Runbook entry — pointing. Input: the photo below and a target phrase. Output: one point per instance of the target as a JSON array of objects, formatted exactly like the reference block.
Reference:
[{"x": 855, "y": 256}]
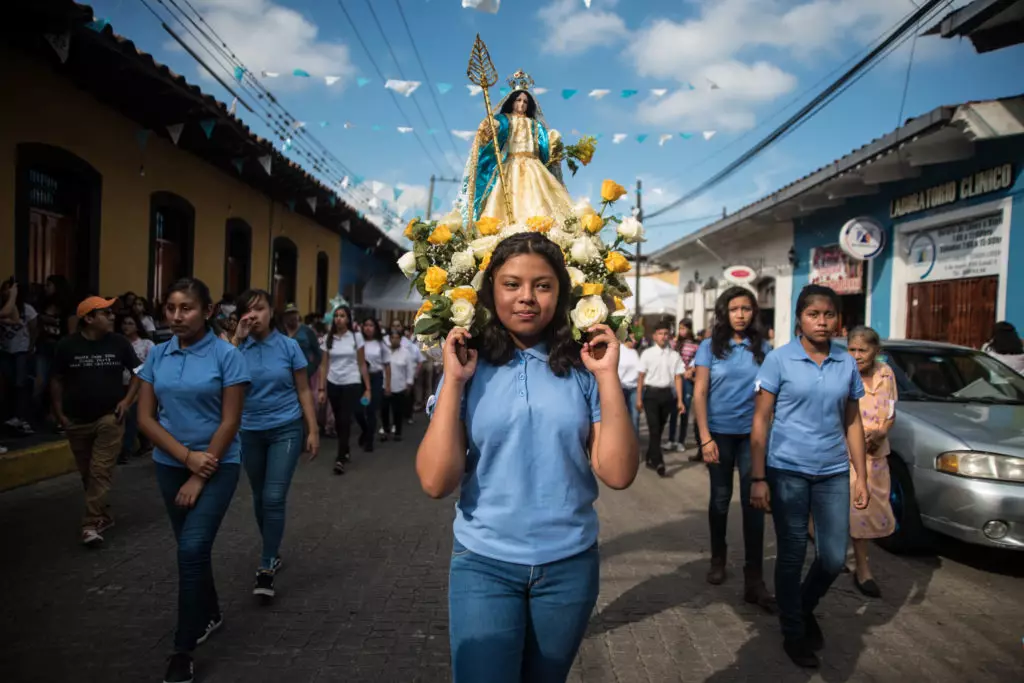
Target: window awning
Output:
[
  {"x": 657, "y": 297},
  {"x": 391, "y": 292}
]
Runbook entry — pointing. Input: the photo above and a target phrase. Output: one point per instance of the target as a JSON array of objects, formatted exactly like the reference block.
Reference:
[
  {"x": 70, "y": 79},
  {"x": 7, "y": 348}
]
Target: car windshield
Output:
[{"x": 958, "y": 375}]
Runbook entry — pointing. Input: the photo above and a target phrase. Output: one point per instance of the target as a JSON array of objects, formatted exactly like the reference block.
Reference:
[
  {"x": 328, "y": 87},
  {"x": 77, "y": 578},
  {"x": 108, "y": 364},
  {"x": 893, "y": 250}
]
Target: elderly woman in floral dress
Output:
[{"x": 878, "y": 412}]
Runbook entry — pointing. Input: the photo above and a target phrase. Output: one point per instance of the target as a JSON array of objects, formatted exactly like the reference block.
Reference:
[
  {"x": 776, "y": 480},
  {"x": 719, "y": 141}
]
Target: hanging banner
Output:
[{"x": 831, "y": 267}]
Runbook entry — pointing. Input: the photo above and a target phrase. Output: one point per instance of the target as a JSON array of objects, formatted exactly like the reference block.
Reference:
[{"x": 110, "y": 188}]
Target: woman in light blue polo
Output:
[
  {"x": 811, "y": 388},
  {"x": 723, "y": 401},
  {"x": 198, "y": 381},
  {"x": 524, "y": 426},
  {"x": 272, "y": 423}
]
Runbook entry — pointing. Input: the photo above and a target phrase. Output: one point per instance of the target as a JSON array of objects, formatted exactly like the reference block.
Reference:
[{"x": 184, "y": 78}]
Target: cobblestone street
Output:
[{"x": 363, "y": 594}]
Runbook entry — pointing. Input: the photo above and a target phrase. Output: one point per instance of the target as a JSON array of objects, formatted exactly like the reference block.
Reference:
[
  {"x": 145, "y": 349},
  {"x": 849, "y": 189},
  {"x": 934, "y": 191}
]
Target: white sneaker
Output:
[
  {"x": 3, "y": 450},
  {"x": 91, "y": 537}
]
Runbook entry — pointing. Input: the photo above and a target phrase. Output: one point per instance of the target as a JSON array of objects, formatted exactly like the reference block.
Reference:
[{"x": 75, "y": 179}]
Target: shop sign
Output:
[
  {"x": 833, "y": 268},
  {"x": 974, "y": 185},
  {"x": 959, "y": 250},
  {"x": 862, "y": 238},
  {"x": 739, "y": 275}
]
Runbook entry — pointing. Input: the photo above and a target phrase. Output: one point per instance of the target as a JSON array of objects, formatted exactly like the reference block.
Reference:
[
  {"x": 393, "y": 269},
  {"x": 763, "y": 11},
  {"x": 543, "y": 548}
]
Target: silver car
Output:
[{"x": 957, "y": 462}]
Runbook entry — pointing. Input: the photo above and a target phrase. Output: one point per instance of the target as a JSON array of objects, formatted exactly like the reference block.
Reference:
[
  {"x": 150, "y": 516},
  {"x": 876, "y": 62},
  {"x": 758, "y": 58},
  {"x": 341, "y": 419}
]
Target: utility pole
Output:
[
  {"x": 430, "y": 199},
  {"x": 640, "y": 217}
]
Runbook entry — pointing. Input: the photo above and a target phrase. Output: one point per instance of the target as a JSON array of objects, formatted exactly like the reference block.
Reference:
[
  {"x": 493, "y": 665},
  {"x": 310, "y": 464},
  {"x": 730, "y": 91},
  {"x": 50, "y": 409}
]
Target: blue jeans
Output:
[
  {"x": 634, "y": 414},
  {"x": 734, "y": 453},
  {"x": 270, "y": 457},
  {"x": 678, "y": 423},
  {"x": 512, "y": 623},
  {"x": 795, "y": 497},
  {"x": 131, "y": 430},
  {"x": 195, "y": 530}
]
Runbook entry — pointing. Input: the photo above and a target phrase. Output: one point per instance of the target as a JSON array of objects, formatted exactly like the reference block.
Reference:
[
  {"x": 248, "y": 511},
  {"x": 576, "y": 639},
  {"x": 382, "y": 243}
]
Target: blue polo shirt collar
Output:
[
  {"x": 250, "y": 341},
  {"x": 538, "y": 351},
  {"x": 835, "y": 353},
  {"x": 200, "y": 348}
]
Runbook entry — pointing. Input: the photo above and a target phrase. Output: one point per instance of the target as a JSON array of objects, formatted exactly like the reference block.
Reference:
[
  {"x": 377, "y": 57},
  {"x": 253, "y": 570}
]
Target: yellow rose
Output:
[
  {"x": 408, "y": 229},
  {"x": 611, "y": 191},
  {"x": 467, "y": 293},
  {"x": 441, "y": 235},
  {"x": 424, "y": 309},
  {"x": 618, "y": 304},
  {"x": 540, "y": 223},
  {"x": 488, "y": 225},
  {"x": 435, "y": 279},
  {"x": 486, "y": 262},
  {"x": 590, "y": 288},
  {"x": 592, "y": 223},
  {"x": 616, "y": 263}
]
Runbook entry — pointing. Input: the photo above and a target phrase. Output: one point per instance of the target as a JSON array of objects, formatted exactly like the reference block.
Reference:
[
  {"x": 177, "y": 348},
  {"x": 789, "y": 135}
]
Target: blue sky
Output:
[{"x": 762, "y": 54}]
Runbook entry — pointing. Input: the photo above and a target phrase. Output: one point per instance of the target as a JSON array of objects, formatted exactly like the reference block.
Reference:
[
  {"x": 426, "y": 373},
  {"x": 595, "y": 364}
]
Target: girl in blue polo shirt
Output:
[
  {"x": 811, "y": 388},
  {"x": 272, "y": 423},
  {"x": 199, "y": 382},
  {"x": 524, "y": 426},
  {"x": 723, "y": 401}
]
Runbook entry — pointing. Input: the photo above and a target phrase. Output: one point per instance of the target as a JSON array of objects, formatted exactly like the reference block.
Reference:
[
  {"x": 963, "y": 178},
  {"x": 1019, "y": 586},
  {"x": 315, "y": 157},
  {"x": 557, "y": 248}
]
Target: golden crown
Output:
[{"x": 520, "y": 80}]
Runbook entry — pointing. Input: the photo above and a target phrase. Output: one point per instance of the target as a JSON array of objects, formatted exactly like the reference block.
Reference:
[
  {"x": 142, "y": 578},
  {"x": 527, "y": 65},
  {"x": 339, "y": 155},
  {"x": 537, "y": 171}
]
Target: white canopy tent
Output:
[
  {"x": 657, "y": 297},
  {"x": 391, "y": 292}
]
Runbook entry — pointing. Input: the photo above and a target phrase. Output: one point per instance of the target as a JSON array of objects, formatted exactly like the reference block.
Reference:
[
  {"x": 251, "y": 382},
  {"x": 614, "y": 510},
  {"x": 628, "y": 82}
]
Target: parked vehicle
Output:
[{"x": 957, "y": 462}]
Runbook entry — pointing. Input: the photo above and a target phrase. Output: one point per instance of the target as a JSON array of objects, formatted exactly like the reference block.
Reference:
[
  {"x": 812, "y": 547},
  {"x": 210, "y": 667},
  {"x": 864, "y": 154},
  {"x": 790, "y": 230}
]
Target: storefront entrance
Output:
[{"x": 953, "y": 311}]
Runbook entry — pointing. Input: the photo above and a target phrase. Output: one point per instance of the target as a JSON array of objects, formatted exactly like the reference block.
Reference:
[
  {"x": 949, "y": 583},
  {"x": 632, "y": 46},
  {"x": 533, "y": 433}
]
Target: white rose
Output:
[
  {"x": 453, "y": 221},
  {"x": 510, "y": 230},
  {"x": 584, "y": 250},
  {"x": 631, "y": 230},
  {"x": 583, "y": 207},
  {"x": 483, "y": 245},
  {"x": 576, "y": 276},
  {"x": 407, "y": 264},
  {"x": 560, "y": 237},
  {"x": 478, "y": 280},
  {"x": 463, "y": 261},
  {"x": 462, "y": 313},
  {"x": 589, "y": 311}
]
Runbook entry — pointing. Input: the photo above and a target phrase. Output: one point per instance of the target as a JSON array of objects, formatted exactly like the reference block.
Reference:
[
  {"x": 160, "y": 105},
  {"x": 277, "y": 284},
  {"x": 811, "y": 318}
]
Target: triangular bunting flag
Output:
[
  {"x": 568, "y": 93},
  {"x": 406, "y": 88},
  {"x": 659, "y": 92},
  {"x": 714, "y": 86},
  {"x": 431, "y": 131},
  {"x": 474, "y": 90},
  {"x": 142, "y": 137},
  {"x": 376, "y": 186},
  {"x": 626, "y": 94},
  {"x": 489, "y": 6},
  {"x": 207, "y": 126},
  {"x": 686, "y": 136},
  {"x": 269, "y": 74},
  {"x": 298, "y": 124},
  {"x": 444, "y": 88},
  {"x": 640, "y": 138},
  {"x": 238, "y": 161},
  {"x": 301, "y": 73},
  {"x": 357, "y": 180},
  {"x": 362, "y": 81},
  {"x": 539, "y": 91},
  {"x": 239, "y": 73},
  {"x": 598, "y": 94},
  {"x": 291, "y": 205},
  {"x": 234, "y": 106},
  {"x": 97, "y": 25},
  {"x": 331, "y": 80},
  {"x": 619, "y": 137},
  {"x": 312, "y": 203},
  {"x": 464, "y": 134},
  {"x": 348, "y": 125},
  {"x": 708, "y": 134},
  {"x": 502, "y": 92},
  {"x": 324, "y": 124},
  {"x": 265, "y": 162},
  {"x": 344, "y": 183},
  {"x": 662, "y": 139},
  {"x": 332, "y": 200},
  {"x": 347, "y": 225},
  {"x": 175, "y": 131},
  {"x": 61, "y": 44},
  {"x": 375, "y": 127},
  {"x": 404, "y": 129},
  {"x": 286, "y": 145},
  {"x": 398, "y": 193},
  {"x": 362, "y": 216},
  {"x": 373, "y": 203},
  {"x": 689, "y": 86},
  {"x": 587, "y": 3},
  {"x": 437, "y": 203}
]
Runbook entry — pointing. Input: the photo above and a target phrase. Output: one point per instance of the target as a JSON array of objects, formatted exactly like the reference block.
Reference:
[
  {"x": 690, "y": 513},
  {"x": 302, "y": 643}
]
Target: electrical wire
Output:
[{"x": 813, "y": 107}]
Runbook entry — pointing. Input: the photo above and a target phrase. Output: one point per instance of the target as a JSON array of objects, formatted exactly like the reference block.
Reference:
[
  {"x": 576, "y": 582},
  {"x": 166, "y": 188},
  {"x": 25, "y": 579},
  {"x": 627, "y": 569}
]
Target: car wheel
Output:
[{"x": 910, "y": 535}]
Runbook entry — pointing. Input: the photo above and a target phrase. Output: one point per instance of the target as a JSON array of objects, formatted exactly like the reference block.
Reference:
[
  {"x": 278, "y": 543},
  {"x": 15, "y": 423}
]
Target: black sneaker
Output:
[
  {"x": 812, "y": 633},
  {"x": 801, "y": 653},
  {"x": 264, "y": 584},
  {"x": 661, "y": 471},
  {"x": 339, "y": 467},
  {"x": 214, "y": 624},
  {"x": 179, "y": 668}
]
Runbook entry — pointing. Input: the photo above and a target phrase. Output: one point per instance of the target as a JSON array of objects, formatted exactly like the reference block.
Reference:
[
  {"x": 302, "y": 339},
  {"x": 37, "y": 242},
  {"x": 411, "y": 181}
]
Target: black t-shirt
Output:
[{"x": 92, "y": 373}]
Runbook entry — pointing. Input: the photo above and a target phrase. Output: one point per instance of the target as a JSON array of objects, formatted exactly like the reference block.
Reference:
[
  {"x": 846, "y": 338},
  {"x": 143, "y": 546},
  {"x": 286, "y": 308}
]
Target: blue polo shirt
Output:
[
  {"x": 528, "y": 491},
  {"x": 188, "y": 384},
  {"x": 809, "y": 433},
  {"x": 731, "y": 389},
  {"x": 272, "y": 399}
]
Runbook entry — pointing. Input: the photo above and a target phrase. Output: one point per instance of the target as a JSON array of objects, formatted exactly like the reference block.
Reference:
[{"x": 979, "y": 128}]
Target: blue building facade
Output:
[{"x": 953, "y": 260}]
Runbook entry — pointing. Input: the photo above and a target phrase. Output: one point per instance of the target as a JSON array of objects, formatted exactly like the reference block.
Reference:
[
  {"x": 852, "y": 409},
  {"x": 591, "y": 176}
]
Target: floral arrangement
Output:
[
  {"x": 580, "y": 153},
  {"x": 448, "y": 260}
]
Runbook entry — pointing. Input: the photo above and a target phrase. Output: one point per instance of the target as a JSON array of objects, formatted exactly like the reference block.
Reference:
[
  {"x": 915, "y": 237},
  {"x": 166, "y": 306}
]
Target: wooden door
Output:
[{"x": 953, "y": 311}]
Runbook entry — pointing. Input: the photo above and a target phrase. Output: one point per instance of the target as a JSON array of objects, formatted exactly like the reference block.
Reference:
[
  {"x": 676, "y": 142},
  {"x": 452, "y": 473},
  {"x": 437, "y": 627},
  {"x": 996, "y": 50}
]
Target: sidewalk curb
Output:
[{"x": 36, "y": 463}]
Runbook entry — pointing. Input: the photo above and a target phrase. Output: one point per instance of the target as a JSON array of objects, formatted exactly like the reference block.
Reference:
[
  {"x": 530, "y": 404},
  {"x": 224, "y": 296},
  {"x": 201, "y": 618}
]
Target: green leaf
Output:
[
  {"x": 576, "y": 334},
  {"x": 427, "y": 325}
]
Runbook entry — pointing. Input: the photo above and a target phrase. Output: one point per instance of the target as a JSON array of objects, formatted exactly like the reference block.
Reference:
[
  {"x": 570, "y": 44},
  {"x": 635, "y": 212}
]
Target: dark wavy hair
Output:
[
  {"x": 1005, "y": 339},
  {"x": 722, "y": 331},
  {"x": 531, "y": 105},
  {"x": 809, "y": 293},
  {"x": 495, "y": 342},
  {"x": 330, "y": 332},
  {"x": 249, "y": 297}
]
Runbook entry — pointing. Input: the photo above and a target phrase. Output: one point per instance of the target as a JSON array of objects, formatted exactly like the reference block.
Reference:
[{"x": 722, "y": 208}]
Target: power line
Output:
[
  {"x": 810, "y": 109},
  {"x": 697, "y": 219},
  {"x": 426, "y": 77},
  {"x": 380, "y": 74}
]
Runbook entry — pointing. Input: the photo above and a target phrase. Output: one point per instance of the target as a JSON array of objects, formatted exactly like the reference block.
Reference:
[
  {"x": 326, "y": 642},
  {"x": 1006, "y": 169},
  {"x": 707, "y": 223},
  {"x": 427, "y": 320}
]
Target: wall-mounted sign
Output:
[
  {"x": 959, "y": 250},
  {"x": 983, "y": 182},
  {"x": 739, "y": 275},
  {"x": 862, "y": 238},
  {"x": 831, "y": 267}
]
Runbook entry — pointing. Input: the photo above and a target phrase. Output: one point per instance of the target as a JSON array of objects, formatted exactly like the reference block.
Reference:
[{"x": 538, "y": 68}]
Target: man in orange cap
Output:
[{"x": 90, "y": 401}]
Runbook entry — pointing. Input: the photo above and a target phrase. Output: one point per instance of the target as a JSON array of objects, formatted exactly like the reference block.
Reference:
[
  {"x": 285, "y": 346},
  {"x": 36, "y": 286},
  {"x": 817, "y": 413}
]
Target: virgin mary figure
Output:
[{"x": 525, "y": 146}]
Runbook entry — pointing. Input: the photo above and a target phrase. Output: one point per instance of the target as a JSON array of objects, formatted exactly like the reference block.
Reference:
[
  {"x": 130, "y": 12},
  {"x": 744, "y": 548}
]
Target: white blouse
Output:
[
  {"x": 343, "y": 359},
  {"x": 377, "y": 355}
]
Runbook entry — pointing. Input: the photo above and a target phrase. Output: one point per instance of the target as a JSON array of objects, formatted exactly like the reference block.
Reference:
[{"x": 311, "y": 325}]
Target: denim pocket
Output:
[{"x": 458, "y": 550}]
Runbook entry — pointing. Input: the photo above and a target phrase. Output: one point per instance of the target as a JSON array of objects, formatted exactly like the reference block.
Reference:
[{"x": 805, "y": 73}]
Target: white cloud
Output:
[
  {"x": 570, "y": 28},
  {"x": 270, "y": 37}
]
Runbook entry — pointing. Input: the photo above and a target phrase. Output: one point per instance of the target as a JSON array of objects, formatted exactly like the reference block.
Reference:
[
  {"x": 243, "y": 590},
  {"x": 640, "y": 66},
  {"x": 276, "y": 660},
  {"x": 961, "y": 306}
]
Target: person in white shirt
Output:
[
  {"x": 345, "y": 381},
  {"x": 18, "y": 332},
  {"x": 629, "y": 375},
  {"x": 413, "y": 349},
  {"x": 378, "y": 363},
  {"x": 403, "y": 373},
  {"x": 661, "y": 367}
]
